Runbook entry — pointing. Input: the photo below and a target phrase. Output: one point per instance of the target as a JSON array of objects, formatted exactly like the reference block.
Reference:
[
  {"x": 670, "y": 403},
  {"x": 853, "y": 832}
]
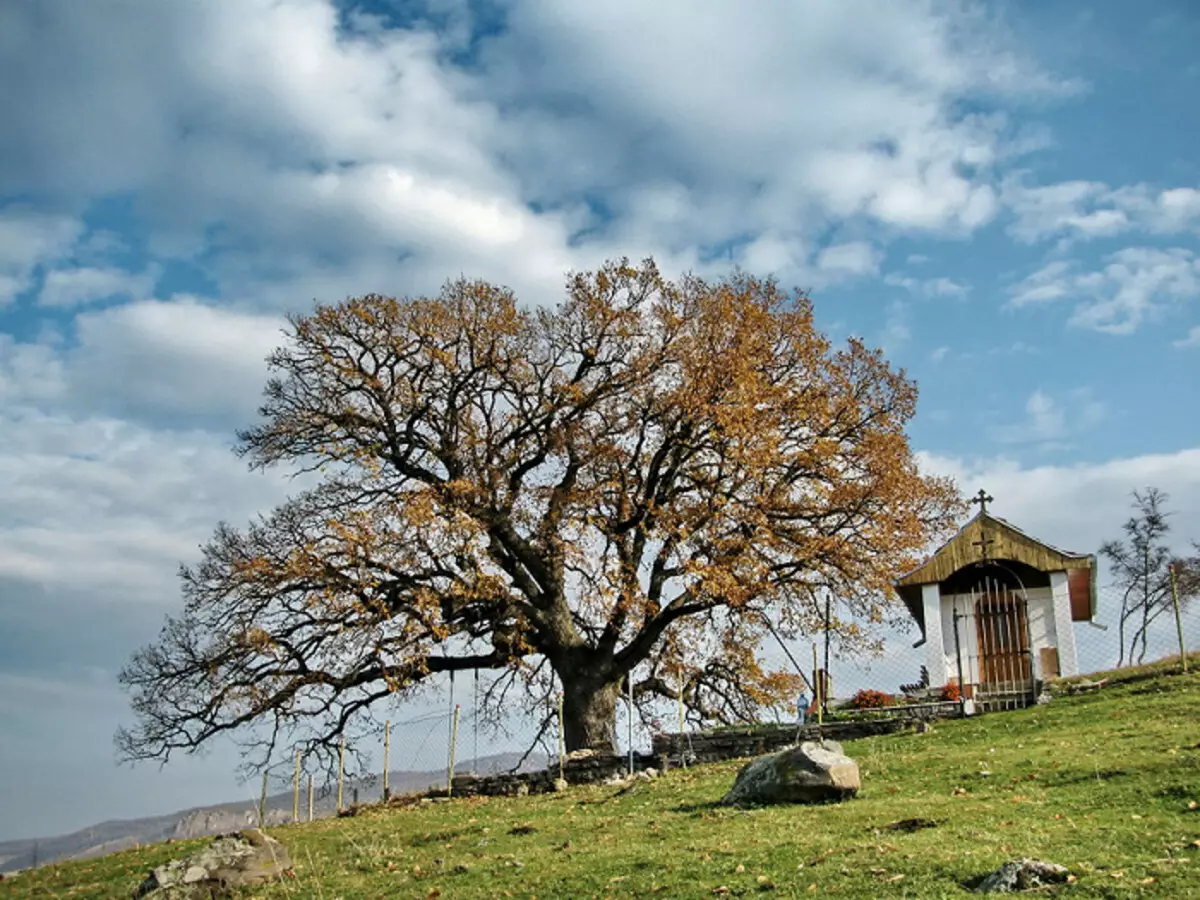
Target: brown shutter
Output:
[{"x": 1079, "y": 587}]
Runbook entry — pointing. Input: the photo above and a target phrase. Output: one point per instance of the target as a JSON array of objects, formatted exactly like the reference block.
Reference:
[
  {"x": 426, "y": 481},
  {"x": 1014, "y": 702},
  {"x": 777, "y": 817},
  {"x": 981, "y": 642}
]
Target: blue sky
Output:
[{"x": 1005, "y": 197}]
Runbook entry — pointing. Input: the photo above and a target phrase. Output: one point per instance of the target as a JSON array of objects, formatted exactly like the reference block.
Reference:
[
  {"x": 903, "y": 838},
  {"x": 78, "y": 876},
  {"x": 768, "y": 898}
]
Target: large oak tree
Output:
[{"x": 637, "y": 484}]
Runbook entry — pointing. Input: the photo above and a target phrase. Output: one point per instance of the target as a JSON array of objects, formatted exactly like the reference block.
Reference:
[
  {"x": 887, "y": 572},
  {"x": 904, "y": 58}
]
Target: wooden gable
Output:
[{"x": 1004, "y": 542}]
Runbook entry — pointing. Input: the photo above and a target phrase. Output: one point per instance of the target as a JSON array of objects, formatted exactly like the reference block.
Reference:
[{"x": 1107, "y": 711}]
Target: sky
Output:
[{"x": 1005, "y": 197}]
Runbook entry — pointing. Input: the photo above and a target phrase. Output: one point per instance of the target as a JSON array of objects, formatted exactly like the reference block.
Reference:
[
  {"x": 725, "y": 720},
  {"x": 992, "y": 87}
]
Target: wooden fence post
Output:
[
  {"x": 1178, "y": 619},
  {"x": 562, "y": 745},
  {"x": 341, "y": 771},
  {"x": 296, "y": 790},
  {"x": 262, "y": 803},
  {"x": 453, "y": 748},
  {"x": 387, "y": 746}
]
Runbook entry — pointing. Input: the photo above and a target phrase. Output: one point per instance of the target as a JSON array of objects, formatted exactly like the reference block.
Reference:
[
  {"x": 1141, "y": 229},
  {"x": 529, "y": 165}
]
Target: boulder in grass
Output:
[
  {"x": 243, "y": 859},
  {"x": 810, "y": 772}
]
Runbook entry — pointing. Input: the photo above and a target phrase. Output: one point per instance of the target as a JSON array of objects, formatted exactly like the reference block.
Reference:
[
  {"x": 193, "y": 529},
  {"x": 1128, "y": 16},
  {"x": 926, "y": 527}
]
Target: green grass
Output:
[{"x": 1100, "y": 782}]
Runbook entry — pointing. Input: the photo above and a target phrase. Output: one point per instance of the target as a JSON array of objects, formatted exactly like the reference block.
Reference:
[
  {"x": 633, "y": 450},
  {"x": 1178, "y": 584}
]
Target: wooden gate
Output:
[{"x": 1003, "y": 660}]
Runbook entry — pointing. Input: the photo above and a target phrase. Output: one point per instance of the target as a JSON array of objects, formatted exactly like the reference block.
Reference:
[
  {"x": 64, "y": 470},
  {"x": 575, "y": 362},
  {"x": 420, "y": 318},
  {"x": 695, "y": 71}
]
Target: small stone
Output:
[
  {"x": 522, "y": 790},
  {"x": 560, "y": 784},
  {"x": 1022, "y": 875},
  {"x": 194, "y": 874}
]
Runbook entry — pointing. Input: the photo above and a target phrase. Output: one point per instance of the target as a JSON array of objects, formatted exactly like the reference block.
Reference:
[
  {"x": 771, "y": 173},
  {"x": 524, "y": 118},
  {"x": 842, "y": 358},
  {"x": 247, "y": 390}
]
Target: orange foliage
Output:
[{"x": 637, "y": 480}]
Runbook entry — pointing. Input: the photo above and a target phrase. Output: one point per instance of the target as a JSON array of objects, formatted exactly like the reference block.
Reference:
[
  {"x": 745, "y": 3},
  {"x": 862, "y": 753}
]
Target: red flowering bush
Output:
[
  {"x": 951, "y": 692},
  {"x": 868, "y": 699}
]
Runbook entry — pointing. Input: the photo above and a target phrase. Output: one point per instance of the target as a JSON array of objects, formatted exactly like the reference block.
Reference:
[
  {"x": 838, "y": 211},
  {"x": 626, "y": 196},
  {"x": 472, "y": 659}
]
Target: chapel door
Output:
[{"x": 1002, "y": 629}]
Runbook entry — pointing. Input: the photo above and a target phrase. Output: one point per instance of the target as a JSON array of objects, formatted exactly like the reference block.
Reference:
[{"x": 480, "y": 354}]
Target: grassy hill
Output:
[{"x": 1106, "y": 783}]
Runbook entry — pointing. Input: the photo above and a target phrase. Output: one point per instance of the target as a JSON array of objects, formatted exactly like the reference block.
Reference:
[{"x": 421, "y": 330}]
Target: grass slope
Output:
[{"x": 1104, "y": 783}]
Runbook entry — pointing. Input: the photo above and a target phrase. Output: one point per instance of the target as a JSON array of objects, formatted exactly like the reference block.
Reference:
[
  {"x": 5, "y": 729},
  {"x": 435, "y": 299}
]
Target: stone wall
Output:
[
  {"x": 736, "y": 743},
  {"x": 578, "y": 768},
  {"x": 670, "y": 750}
]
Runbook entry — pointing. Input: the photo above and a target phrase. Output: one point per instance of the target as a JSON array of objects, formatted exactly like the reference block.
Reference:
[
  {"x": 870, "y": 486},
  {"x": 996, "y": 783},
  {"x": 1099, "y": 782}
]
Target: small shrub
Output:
[
  {"x": 868, "y": 699},
  {"x": 951, "y": 692}
]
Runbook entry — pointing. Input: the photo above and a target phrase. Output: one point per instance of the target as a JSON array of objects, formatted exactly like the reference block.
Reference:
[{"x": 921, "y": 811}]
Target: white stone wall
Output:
[
  {"x": 935, "y": 651},
  {"x": 1068, "y": 662}
]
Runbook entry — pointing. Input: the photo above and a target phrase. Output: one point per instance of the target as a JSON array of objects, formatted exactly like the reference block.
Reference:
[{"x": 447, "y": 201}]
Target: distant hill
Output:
[{"x": 108, "y": 837}]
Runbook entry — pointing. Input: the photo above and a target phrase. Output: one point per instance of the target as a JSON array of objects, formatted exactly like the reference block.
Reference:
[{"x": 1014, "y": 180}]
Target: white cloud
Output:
[
  {"x": 110, "y": 508},
  {"x": 1051, "y": 424},
  {"x": 1179, "y": 206},
  {"x": 896, "y": 332},
  {"x": 1191, "y": 339},
  {"x": 1053, "y": 281},
  {"x": 1082, "y": 210},
  {"x": 28, "y": 239},
  {"x": 854, "y": 258},
  {"x": 939, "y": 354},
  {"x": 1016, "y": 348},
  {"x": 1078, "y": 507},
  {"x": 1045, "y": 422},
  {"x": 81, "y": 285},
  {"x": 1135, "y": 284},
  {"x": 309, "y": 151},
  {"x": 927, "y": 287},
  {"x": 169, "y": 359},
  {"x": 30, "y": 374}
]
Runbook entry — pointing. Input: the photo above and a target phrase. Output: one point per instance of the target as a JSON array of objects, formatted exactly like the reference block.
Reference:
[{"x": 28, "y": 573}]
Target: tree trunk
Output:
[{"x": 590, "y": 713}]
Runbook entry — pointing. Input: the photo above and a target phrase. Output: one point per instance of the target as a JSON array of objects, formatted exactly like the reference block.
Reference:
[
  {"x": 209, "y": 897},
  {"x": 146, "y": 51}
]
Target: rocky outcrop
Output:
[
  {"x": 243, "y": 859},
  {"x": 810, "y": 772}
]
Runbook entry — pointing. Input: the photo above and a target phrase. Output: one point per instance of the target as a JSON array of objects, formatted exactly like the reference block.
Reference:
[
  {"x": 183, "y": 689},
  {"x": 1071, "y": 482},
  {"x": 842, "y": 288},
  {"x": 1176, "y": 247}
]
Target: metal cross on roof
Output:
[{"x": 983, "y": 499}]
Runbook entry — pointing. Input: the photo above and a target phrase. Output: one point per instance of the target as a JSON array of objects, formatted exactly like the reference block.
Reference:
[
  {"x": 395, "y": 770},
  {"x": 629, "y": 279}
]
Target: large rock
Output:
[
  {"x": 810, "y": 772},
  {"x": 231, "y": 861}
]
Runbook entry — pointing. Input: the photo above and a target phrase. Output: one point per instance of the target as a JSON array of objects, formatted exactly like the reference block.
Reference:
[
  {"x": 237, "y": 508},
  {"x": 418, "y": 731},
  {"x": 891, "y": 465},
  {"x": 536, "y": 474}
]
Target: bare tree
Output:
[
  {"x": 629, "y": 486},
  {"x": 1141, "y": 566}
]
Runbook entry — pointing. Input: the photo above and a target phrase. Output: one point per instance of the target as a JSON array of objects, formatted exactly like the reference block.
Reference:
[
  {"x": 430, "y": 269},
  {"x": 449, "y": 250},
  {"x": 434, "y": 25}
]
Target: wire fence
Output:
[
  {"x": 1093, "y": 647},
  {"x": 425, "y": 751},
  {"x": 419, "y": 754}
]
